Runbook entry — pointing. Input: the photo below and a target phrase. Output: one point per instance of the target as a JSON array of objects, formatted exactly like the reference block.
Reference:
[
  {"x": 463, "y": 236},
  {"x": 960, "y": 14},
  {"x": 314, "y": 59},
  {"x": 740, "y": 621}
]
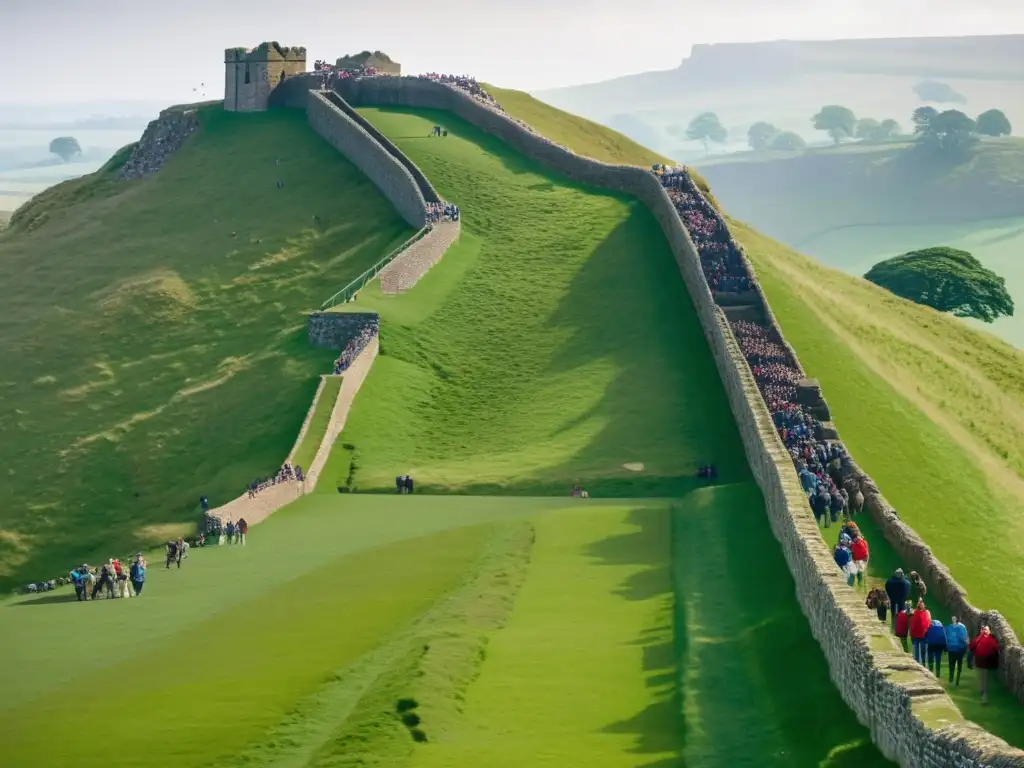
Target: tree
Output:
[
  {"x": 839, "y": 122},
  {"x": 706, "y": 127},
  {"x": 940, "y": 93},
  {"x": 66, "y": 147},
  {"x": 947, "y": 131},
  {"x": 869, "y": 129},
  {"x": 993, "y": 123},
  {"x": 866, "y": 128},
  {"x": 945, "y": 279},
  {"x": 761, "y": 135},
  {"x": 787, "y": 141},
  {"x": 922, "y": 117}
]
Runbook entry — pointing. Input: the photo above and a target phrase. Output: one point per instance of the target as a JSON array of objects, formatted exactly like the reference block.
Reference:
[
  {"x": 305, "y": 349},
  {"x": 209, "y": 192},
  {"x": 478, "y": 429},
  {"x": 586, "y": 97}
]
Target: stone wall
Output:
[
  {"x": 910, "y": 718},
  {"x": 334, "y": 330},
  {"x": 162, "y": 138},
  {"x": 416, "y": 260},
  {"x": 390, "y": 176},
  {"x": 426, "y": 188}
]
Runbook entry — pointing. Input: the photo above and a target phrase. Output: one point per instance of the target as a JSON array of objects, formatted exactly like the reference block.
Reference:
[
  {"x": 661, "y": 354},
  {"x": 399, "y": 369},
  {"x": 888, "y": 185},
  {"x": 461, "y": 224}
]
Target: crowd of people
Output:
[
  {"x": 442, "y": 212},
  {"x": 467, "y": 84},
  {"x": 355, "y": 345},
  {"x": 929, "y": 640},
  {"x": 285, "y": 474},
  {"x": 822, "y": 465}
]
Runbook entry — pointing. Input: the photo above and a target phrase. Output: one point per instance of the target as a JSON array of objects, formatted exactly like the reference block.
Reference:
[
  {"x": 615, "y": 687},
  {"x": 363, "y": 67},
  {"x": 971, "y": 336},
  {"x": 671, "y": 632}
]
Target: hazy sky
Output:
[{"x": 83, "y": 50}]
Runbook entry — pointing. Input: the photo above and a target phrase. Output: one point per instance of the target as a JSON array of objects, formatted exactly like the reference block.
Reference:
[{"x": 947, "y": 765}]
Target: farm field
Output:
[
  {"x": 558, "y": 614},
  {"x": 154, "y": 334},
  {"x": 556, "y": 344}
]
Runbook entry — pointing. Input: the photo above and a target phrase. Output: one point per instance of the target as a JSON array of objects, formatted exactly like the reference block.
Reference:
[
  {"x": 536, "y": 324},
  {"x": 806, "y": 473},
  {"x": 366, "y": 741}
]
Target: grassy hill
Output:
[
  {"x": 154, "y": 337},
  {"x": 785, "y": 82},
  {"x": 5, "y": 216}
]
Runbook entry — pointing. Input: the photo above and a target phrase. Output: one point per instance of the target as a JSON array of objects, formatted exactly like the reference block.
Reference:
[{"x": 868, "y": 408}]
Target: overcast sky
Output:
[{"x": 85, "y": 50}]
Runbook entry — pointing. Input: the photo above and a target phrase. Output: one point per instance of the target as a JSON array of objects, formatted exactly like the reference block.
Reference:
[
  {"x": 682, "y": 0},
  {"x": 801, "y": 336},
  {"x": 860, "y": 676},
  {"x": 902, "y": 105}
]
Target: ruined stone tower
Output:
[{"x": 250, "y": 75}]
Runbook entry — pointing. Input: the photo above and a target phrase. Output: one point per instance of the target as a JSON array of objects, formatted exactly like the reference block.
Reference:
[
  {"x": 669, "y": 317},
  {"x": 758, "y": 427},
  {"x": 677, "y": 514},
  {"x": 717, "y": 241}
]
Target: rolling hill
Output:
[
  {"x": 154, "y": 333},
  {"x": 785, "y": 82},
  {"x": 855, "y": 205}
]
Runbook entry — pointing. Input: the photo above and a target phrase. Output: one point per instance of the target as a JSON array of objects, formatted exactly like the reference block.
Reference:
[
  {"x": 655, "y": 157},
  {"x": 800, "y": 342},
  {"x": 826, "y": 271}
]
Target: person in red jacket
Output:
[
  {"x": 901, "y": 627},
  {"x": 920, "y": 621},
  {"x": 859, "y": 550},
  {"x": 985, "y": 649}
]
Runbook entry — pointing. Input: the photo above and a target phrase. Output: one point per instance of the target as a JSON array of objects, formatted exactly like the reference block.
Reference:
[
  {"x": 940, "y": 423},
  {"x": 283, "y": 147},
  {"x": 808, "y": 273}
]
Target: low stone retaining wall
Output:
[
  {"x": 414, "y": 262},
  {"x": 391, "y": 177},
  {"x": 161, "y": 139},
  {"x": 911, "y": 719}
]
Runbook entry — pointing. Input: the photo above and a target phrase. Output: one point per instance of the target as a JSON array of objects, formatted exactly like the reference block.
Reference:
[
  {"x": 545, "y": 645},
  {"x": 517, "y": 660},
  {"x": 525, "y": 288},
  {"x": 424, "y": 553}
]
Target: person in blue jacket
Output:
[
  {"x": 956, "y": 647},
  {"x": 935, "y": 640},
  {"x": 844, "y": 559},
  {"x": 138, "y": 574},
  {"x": 80, "y": 578}
]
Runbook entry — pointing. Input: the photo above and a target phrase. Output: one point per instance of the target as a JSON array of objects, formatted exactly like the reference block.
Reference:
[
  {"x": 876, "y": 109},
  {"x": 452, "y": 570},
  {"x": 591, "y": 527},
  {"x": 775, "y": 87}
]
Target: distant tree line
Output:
[{"x": 945, "y": 131}]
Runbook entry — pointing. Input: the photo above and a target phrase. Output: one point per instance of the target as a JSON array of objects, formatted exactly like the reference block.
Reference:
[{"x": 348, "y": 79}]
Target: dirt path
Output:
[{"x": 258, "y": 508}]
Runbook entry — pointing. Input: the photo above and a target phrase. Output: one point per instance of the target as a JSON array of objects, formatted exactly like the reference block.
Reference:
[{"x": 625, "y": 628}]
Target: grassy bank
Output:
[
  {"x": 560, "y": 348},
  {"x": 155, "y": 338}
]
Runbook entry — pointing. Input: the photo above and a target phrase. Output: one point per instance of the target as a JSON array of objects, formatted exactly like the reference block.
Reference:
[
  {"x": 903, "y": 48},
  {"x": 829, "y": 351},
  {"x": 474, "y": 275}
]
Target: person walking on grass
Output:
[
  {"x": 918, "y": 590},
  {"x": 956, "y": 647},
  {"x": 901, "y": 626},
  {"x": 242, "y": 528},
  {"x": 172, "y": 554},
  {"x": 106, "y": 580},
  {"x": 920, "y": 621},
  {"x": 898, "y": 590},
  {"x": 138, "y": 573},
  {"x": 935, "y": 639},
  {"x": 985, "y": 649},
  {"x": 79, "y": 577},
  {"x": 231, "y": 532}
]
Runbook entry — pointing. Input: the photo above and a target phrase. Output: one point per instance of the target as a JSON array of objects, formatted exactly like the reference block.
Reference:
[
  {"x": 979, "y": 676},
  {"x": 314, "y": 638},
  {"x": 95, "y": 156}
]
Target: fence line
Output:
[{"x": 353, "y": 287}]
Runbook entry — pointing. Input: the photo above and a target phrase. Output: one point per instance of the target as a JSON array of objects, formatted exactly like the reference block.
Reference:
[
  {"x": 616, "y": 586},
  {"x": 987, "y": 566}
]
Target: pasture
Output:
[
  {"x": 154, "y": 334},
  {"x": 423, "y": 631}
]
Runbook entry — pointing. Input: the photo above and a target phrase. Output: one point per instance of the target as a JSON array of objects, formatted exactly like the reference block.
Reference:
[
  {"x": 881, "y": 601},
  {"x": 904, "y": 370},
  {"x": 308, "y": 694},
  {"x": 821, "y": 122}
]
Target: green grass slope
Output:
[
  {"x": 932, "y": 409},
  {"x": 154, "y": 338},
  {"x": 564, "y": 348},
  {"x": 317, "y": 428}
]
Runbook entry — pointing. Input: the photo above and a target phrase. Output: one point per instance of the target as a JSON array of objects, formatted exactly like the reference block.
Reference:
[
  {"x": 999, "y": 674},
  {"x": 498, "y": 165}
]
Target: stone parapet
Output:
[{"x": 414, "y": 262}]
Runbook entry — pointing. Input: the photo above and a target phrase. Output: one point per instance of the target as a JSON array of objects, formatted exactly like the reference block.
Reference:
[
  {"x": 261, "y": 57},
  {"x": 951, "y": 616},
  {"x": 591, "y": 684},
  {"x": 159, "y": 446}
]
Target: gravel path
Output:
[{"x": 406, "y": 270}]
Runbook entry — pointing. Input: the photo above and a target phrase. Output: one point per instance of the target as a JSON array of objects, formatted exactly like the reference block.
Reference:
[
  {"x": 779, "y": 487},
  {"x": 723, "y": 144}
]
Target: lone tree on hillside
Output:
[
  {"x": 761, "y": 135},
  {"x": 993, "y": 123},
  {"x": 947, "y": 131},
  {"x": 839, "y": 122},
  {"x": 706, "y": 127},
  {"x": 787, "y": 141},
  {"x": 945, "y": 279},
  {"x": 65, "y": 147}
]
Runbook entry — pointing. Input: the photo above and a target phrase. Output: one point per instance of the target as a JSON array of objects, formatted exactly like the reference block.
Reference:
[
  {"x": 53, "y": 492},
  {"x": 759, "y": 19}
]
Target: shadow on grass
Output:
[
  {"x": 657, "y": 728},
  {"x": 48, "y": 599}
]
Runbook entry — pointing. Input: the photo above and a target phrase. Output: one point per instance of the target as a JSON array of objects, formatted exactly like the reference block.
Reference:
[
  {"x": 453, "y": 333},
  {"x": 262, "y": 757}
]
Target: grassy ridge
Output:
[
  {"x": 929, "y": 407},
  {"x": 564, "y": 349},
  {"x": 155, "y": 338}
]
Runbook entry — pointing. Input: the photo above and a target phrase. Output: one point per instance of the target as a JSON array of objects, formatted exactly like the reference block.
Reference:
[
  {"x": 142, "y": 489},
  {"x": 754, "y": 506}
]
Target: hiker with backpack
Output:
[
  {"x": 985, "y": 652},
  {"x": 920, "y": 622},
  {"x": 935, "y": 640}
]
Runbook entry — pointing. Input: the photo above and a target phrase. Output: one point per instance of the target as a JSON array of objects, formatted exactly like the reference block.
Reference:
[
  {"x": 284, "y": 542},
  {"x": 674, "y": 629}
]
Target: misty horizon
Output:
[{"x": 175, "y": 54}]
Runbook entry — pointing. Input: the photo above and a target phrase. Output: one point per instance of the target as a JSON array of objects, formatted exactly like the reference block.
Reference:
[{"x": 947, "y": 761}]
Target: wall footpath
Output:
[
  {"x": 414, "y": 262},
  {"x": 390, "y": 176},
  {"x": 911, "y": 719},
  {"x": 334, "y": 330}
]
